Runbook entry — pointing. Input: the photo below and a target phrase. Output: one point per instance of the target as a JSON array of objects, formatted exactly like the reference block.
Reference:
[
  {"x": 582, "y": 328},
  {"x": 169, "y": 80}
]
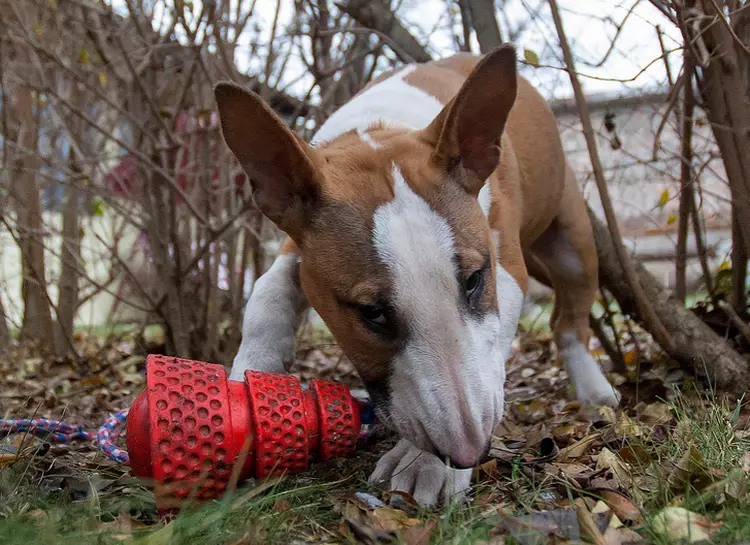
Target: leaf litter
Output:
[{"x": 557, "y": 471}]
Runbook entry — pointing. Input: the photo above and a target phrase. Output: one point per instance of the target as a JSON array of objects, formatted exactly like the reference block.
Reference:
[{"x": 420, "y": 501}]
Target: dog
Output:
[{"x": 413, "y": 220}]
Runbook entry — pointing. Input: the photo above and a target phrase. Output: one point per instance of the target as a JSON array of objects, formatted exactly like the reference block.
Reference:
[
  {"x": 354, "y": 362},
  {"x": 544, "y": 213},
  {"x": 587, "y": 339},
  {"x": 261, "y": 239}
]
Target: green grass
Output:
[{"x": 698, "y": 467}]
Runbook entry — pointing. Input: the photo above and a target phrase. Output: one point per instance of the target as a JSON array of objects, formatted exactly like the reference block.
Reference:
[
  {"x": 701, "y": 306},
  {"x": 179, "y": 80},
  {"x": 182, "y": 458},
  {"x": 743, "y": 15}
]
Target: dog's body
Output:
[{"x": 412, "y": 221}]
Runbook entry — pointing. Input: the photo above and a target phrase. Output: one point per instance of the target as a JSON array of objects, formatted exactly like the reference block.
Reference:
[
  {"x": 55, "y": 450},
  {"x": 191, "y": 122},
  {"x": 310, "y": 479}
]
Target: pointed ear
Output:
[
  {"x": 280, "y": 165},
  {"x": 467, "y": 131}
]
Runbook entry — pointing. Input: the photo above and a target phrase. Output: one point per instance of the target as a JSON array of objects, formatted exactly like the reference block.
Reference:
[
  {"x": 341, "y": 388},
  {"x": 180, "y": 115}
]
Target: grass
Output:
[{"x": 312, "y": 506}]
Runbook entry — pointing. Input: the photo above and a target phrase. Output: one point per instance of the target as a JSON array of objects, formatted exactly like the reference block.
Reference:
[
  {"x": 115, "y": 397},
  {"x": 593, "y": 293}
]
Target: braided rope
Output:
[
  {"x": 56, "y": 431},
  {"x": 107, "y": 434}
]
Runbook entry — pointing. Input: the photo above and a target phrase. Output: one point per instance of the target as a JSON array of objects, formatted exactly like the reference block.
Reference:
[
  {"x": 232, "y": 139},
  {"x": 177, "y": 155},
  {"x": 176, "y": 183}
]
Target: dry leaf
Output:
[
  {"x": 690, "y": 466},
  {"x": 620, "y": 505},
  {"x": 745, "y": 461},
  {"x": 677, "y": 524},
  {"x": 418, "y": 535},
  {"x": 656, "y": 414},
  {"x": 620, "y": 472},
  {"x": 628, "y": 536},
  {"x": 589, "y": 531},
  {"x": 389, "y": 519},
  {"x": 578, "y": 449},
  {"x": 627, "y": 428}
]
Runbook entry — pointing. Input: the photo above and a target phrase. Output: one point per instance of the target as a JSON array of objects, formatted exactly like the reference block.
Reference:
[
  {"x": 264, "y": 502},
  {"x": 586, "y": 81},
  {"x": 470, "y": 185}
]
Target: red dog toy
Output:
[{"x": 192, "y": 431}]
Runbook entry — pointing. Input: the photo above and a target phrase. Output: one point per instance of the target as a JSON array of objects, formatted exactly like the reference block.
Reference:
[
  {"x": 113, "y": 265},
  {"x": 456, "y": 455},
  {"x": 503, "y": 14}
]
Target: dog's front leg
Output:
[
  {"x": 272, "y": 315},
  {"x": 408, "y": 469}
]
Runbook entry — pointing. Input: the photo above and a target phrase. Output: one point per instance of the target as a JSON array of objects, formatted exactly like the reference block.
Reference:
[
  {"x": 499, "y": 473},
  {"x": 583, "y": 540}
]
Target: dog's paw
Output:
[
  {"x": 408, "y": 469},
  {"x": 267, "y": 361},
  {"x": 597, "y": 390}
]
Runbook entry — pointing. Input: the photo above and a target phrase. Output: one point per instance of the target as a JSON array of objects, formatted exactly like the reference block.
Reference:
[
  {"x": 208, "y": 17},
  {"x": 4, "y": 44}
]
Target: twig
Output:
[
  {"x": 743, "y": 328},
  {"x": 612, "y": 349},
  {"x": 667, "y": 68},
  {"x": 642, "y": 303},
  {"x": 725, "y": 21},
  {"x": 674, "y": 94},
  {"x": 686, "y": 182}
]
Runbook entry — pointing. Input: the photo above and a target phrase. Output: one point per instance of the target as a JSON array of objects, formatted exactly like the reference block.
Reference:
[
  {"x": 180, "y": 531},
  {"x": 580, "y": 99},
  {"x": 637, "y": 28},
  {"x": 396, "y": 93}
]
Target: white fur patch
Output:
[
  {"x": 367, "y": 139},
  {"x": 485, "y": 198},
  {"x": 590, "y": 384},
  {"x": 447, "y": 383},
  {"x": 270, "y": 320},
  {"x": 392, "y": 101},
  {"x": 510, "y": 304}
]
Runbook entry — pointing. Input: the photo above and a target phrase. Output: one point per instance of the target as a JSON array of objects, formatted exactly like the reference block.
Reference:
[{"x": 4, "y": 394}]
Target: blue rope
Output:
[{"x": 56, "y": 431}]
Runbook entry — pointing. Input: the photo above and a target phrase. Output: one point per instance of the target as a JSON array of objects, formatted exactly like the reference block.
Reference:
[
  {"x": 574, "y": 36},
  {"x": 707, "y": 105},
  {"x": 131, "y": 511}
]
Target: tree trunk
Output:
[
  {"x": 696, "y": 346},
  {"x": 485, "y": 24},
  {"x": 724, "y": 91},
  {"x": 70, "y": 254},
  {"x": 4, "y": 332},
  {"x": 377, "y": 15},
  {"x": 24, "y": 191}
]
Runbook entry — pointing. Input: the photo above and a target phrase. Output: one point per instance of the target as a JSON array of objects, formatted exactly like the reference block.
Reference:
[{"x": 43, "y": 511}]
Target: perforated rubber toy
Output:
[{"x": 191, "y": 429}]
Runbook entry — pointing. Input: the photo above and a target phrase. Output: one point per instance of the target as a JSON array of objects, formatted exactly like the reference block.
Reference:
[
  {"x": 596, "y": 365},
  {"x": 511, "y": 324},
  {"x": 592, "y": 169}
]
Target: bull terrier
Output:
[{"x": 413, "y": 220}]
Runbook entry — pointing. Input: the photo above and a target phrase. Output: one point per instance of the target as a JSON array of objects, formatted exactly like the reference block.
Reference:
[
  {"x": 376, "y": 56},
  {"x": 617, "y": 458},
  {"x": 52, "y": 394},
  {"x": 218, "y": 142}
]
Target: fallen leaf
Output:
[
  {"x": 612, "y": 536},
  {"x": 368, "y": 535},
  {"x": 635, "y": 455},
  {"x": 571, "y": 469},
  {"x": 589, "y": 531},
  {"x": 418, "y": 535},
  {"x": 387, "y": 518},
  {"x": 608, "y": 460},
  {"x": 678, "y": 524},
  {"x": 737, "y": 489},
  {"x": 745, "y": 461},
  {"x": 656, "y": 414},
  {"x": 578, "y": 449},
  {"x": 620, "y": 505},
  {"x": 627, "y": 428},
  {"x": 628, "y": 536},
  {"x": 486, "y": 470},
  {"x": 689, "y": 468}
]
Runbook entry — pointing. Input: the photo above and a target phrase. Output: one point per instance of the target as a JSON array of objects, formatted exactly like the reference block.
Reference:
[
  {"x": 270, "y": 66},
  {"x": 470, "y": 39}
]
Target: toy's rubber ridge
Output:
[
  {"x": 190, "y": 425},
  {"x": 281, "y": 430},
  {"x": 339, "y": 419}
]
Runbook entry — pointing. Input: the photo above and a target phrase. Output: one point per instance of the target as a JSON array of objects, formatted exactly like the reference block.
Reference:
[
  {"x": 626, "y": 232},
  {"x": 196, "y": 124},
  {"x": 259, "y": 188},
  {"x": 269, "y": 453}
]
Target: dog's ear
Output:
[
  {"x": 279, "y": 164},
  {"x": 467, "y": 132}
]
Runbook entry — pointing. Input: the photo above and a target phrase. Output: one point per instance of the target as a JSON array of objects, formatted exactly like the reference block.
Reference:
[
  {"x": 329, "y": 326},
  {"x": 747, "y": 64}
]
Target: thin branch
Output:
[
  {"x": 686, "y": 182},
  {"x": 642, "y": 303}
]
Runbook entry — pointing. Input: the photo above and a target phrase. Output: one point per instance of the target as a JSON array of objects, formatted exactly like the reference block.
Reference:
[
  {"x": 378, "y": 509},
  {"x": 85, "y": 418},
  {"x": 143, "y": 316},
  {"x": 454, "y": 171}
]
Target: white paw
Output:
[
  {"x": 406, "y": 468},
  {"x": 260, "y": 355},
  {"x": 589, "y": 383},
  {"x": 596, "y": 390}
]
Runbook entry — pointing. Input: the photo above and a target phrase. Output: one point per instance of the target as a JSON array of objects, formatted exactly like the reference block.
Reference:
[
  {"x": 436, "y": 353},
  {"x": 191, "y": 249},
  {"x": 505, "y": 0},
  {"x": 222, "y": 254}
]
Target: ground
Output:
[{"x": 671, "y": 467}]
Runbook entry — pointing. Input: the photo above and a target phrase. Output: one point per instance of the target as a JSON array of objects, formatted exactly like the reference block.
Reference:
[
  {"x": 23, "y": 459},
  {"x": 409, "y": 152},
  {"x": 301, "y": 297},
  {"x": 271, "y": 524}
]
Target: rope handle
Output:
[{"x": 60, "y": 432}]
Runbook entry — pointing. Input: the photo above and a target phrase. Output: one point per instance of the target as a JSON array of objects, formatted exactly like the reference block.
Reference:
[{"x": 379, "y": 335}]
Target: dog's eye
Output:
[
  {"x": 373, "y": 316},
  {"x": 474, "y": 284}
]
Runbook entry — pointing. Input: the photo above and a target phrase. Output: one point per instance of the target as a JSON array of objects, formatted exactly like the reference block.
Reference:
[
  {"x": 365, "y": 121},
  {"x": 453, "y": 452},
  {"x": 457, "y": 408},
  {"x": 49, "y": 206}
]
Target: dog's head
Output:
[{"x": 396, "y": 253}]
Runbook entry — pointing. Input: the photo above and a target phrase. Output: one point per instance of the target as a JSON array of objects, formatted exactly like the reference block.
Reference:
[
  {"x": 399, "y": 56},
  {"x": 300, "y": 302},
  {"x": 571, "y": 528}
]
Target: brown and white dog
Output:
[{"x": 413, "y": 221}]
